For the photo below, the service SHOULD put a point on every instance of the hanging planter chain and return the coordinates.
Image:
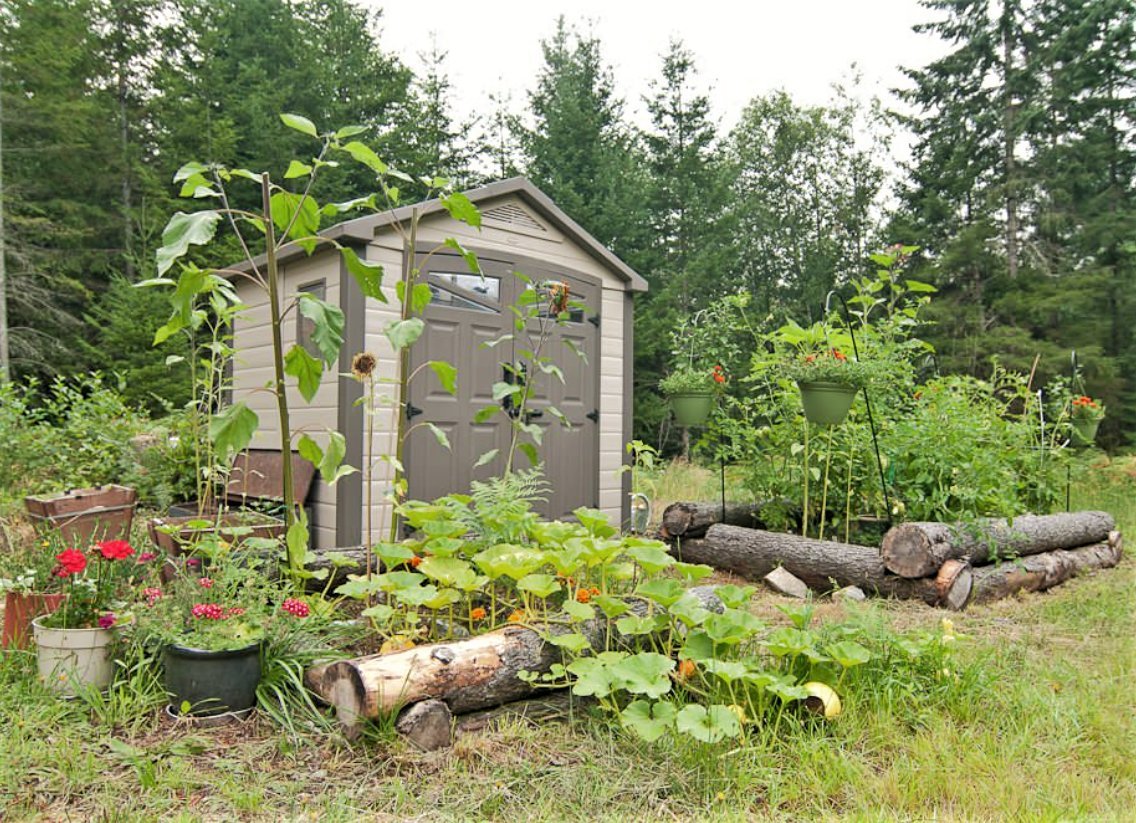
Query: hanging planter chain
(867, 398)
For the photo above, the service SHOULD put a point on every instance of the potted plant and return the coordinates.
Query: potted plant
(828, 381)
(29, 589)
(691, 392)
(1085, 417)
(73, 643)
(211, 621)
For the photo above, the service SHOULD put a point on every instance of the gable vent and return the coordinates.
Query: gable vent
(514, 215)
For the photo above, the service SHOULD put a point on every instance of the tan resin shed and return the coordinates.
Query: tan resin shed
(522, 231)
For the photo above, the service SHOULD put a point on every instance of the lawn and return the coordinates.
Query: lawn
(1039, 727)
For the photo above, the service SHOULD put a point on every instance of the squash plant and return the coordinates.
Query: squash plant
(285, 217)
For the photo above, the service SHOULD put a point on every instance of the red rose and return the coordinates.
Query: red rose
(115, 549)
(71, 561)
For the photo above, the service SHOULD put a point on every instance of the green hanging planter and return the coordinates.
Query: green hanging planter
(826, 404)
(692, 408)
(1085, 431)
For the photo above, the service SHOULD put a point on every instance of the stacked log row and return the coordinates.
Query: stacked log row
(941, 564)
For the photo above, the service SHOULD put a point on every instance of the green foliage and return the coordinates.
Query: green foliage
(71, 433)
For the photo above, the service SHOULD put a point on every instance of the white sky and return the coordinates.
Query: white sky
(742, 49)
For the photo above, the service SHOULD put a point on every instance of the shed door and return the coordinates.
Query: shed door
(466, 313)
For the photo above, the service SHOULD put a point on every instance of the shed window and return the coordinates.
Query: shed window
(305, 328)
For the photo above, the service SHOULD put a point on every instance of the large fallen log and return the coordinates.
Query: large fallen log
(1039, 572)
(477, 673)
(693, 519)
(918, 549)
(822, 564)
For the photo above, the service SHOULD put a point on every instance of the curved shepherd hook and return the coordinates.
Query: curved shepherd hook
(867, 398)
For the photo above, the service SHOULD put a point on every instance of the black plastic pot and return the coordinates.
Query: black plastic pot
(212, 682)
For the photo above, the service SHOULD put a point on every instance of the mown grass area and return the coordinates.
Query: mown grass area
(1038, 726)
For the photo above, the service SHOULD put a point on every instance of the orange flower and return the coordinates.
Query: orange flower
(594, 591)
(839, 355)
(686, 669)
(583, 595)
(414, 561)
(517, 616)
(477, 614)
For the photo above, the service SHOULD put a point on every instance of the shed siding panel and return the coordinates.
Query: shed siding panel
(611, 401)
(254, 369)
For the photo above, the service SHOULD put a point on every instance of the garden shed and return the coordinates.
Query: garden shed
(522, 231)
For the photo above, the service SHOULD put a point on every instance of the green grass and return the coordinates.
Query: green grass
(1039, 728)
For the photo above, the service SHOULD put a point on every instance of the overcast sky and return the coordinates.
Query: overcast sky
(742, 49)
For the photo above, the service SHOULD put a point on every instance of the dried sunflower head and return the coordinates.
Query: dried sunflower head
(363, 365)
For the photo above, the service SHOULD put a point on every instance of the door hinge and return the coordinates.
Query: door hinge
(412, 411)
(593, 415)
(594, 320)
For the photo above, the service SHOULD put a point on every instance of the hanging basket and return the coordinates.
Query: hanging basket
(1085, 431)
(826, 404)
(692, 408)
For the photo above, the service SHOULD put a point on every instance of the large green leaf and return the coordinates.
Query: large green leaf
(369, 276)
(461, 208)
(300, 124)
(231, 430)
(307, 370)
(403, 333)
(299, 215)
(363, 154)
(542, 585)
(708, 725)
(297, 169)
(652, 559)
(328, 322)
(331, 467)
(650, 721)
(849, 653)
(469, 257)
(449, 571)
(593, 677)
(646, 673)
(447, 375)
(185, 230)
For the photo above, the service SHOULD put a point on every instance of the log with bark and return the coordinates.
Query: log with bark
(477, 673)
(822, 564)
(918, 549)
(1039, 572)
(693, 519)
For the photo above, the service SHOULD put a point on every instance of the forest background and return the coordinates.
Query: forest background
(1019, 191)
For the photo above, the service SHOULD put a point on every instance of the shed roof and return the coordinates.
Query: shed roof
(364, 229)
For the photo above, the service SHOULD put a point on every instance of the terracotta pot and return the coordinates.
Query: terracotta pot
(20, 608)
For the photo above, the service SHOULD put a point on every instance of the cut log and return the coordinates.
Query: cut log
(556, 705)
(918, 549)
(478, 673)
(823, 565)
(693, 519)
(429, 725)
(351, 560)
(1039, 572)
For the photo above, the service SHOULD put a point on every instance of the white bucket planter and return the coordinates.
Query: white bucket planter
(72, 658)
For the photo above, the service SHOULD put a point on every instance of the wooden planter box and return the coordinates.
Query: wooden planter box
(175, 535)
(84, 516)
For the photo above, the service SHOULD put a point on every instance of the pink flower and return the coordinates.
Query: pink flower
(146, 557)
(115, 549)
(209, 611)
(107, 620)
(205, 582)
(153, 594)
(193, 562)
(296, 608)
